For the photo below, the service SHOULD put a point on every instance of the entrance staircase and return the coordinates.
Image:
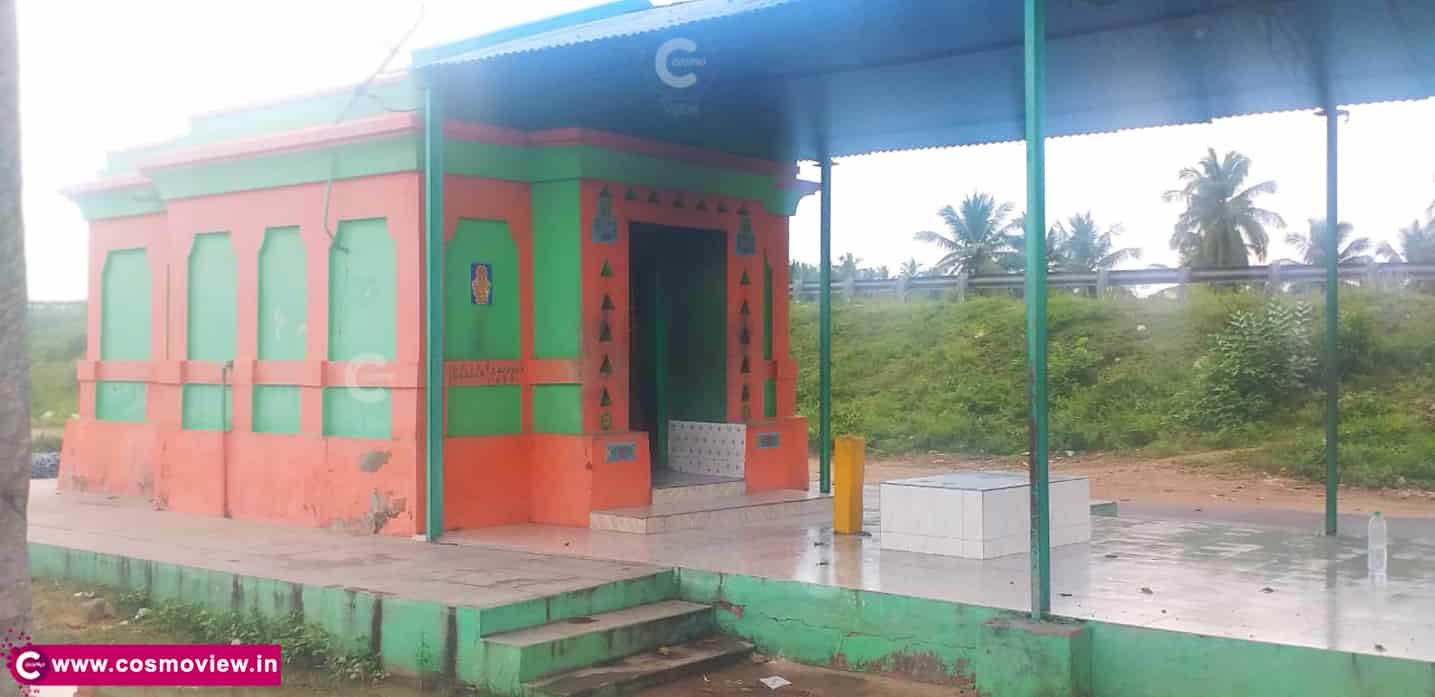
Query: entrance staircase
(683, 501)
(643, 638)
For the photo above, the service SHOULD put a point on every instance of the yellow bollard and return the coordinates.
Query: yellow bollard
(848, 463)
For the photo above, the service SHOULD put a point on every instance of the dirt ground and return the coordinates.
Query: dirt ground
(742, 680)
(1184, 481)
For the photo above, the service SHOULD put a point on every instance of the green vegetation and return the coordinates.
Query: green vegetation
(57, 340)
(1224, 369)
(306, 646)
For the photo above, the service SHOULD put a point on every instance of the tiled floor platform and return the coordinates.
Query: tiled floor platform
(1241, 580)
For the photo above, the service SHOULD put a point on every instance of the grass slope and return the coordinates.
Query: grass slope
(1125, 374)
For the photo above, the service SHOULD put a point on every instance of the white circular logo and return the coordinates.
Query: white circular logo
(366, 395)
(27, 664)
(665, 62)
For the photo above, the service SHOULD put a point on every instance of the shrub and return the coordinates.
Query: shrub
(1254, 366)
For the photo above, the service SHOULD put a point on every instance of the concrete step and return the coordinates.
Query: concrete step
(677, 493)
(727, 511)
(513, 658)
(644, 670)
(601, 598)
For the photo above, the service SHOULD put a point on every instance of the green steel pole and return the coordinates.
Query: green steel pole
(1035, 31)
(433, 316)
(824, 352)
(1332, 326)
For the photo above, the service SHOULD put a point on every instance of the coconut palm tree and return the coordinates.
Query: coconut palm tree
(1311, 244)
(14, 348)
(909, 269)
(978, 239)
(1417, 244)
(1055, 248)
(1082, 245)
(1221, 226)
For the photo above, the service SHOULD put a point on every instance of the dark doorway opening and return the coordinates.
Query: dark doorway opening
(678, 361)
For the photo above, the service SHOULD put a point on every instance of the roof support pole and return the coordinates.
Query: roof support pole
(1035, 59)
(433, 315)
(1331, 243)
(824, 347)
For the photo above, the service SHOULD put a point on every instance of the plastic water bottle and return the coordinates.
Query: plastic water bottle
(1376, 545)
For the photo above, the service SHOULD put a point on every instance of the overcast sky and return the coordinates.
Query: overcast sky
(99, 75)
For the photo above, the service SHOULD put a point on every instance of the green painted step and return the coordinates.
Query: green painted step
(644, 670)
(514, 658)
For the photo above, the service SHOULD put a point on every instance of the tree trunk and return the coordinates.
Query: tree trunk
(14, 346)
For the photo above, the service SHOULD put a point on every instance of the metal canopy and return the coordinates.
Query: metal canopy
(797, 79)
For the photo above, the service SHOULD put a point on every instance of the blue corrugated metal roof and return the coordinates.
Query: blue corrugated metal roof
(792, 79)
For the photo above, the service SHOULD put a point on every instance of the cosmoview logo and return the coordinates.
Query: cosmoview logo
(30, 665)
(675, 61)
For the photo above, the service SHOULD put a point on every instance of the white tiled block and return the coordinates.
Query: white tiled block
(922, 544)
(971, 502)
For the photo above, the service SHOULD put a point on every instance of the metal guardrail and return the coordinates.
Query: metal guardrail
(1273, 277)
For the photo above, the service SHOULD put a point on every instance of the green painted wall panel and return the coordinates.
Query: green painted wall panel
(120, 401)
(283, 295)
(769, 398)
(1140, 662)
(346, 614)
(474, 331)
(275, 117)
(488, 410)
(276, 409)
(125, 301)
(120, 203)
(312, 110)
(358, 412)
(361, 159)
(203, 409)
(557, 409)
(414, 635)
(213, 301)
(557, 270)
(363, 292)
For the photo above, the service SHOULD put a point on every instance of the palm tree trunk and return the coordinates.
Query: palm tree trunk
(14, 339)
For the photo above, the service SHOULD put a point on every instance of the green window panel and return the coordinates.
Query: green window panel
(358, 412)
(472, 330)
(363, 292)
(213, 301)
(205, 408)
(769, 398)
(557, 270)
(125, 306)
(276, 409)
(283, 295)
(120, 401)
(557, 409)
(488, 410)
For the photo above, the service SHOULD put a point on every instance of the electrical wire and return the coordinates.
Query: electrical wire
(361, 91)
